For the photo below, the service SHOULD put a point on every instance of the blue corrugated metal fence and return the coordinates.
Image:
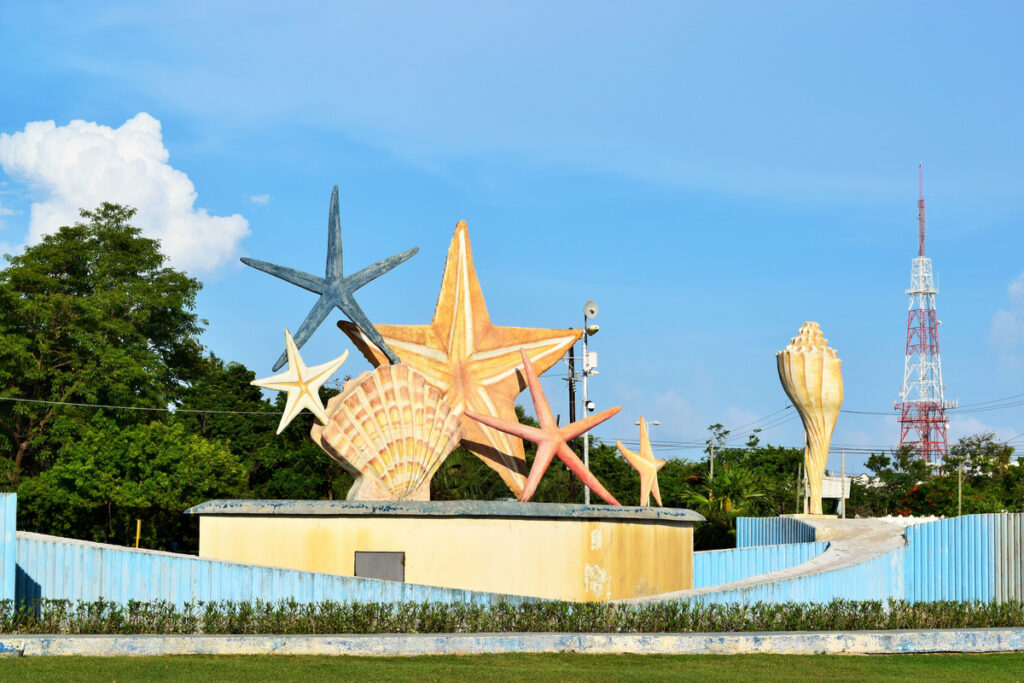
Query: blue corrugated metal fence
(877, 579)
(977, 557)
(54, 567)
(8, 547)
(713, 567)
(771, 531)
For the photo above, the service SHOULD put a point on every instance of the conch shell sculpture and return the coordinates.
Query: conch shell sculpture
(392, 431)
(811, 376)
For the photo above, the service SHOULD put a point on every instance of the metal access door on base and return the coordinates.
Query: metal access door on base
(388, 566)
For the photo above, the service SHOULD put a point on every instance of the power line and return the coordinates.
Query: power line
(145, 408)
(777, 421)
(785, 407)
(995, 400)
(694, 445)
(970, 408)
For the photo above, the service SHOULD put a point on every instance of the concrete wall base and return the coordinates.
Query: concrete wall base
(840, 642)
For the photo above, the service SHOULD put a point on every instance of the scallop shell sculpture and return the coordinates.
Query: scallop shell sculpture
(810, 374)
(392, 431)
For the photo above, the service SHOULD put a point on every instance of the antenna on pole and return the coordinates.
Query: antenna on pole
(920, 209)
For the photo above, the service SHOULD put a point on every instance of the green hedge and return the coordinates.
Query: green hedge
(65, 617)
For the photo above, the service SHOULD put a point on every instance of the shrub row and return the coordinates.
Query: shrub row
(290, 617)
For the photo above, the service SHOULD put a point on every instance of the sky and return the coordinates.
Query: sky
(712, 174)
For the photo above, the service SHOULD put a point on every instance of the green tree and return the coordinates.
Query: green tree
(114, 475)
(734, 492)
(980, 455)
(463, 476)
(281, 466)
(938, 496)
(715, 443)
(898, 475)
(291, 466)
(90, 314)
(237, 411)
(615, 474)
(677, 479)
(775, 467)
(909, 486)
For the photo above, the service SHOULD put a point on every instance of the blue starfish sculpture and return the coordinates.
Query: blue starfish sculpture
(334, 288)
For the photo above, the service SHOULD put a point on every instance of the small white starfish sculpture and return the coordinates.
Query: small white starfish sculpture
(302, 384)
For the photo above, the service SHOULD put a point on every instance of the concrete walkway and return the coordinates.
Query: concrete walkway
(848, 642)
(851, 541)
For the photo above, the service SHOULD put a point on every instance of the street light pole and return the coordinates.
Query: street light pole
(586, 399)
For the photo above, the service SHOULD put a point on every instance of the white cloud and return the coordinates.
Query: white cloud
(4, 211)
(1007, 329)
(1017, 290)
(1006, 334)
(263, 199)
(83, 164)
(968, 425)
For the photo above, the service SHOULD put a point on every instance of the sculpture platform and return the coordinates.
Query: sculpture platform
(553, 551)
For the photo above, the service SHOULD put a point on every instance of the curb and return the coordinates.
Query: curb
(838, 642)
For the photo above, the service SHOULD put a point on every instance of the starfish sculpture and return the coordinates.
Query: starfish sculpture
(474, 363)
(550, 438)
(334, 288)
(645, 464)
(302, 383)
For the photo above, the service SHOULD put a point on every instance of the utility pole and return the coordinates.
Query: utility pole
(799, 480)
(960, 489)
(807, 491)
(572, 384)
(572, 412)
(712, 475)
(842, 482)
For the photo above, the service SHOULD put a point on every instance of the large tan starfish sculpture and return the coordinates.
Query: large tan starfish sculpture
(474, 363)
(551, 439)
(302, 383)
(645, 464)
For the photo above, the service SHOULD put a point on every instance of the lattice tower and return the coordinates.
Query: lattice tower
(922, 404)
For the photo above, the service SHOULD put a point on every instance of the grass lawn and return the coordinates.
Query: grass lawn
(525, 667)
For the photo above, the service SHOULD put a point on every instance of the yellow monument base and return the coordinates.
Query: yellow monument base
(558, 552)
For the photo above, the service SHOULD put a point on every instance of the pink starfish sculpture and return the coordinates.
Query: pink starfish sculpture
(550, 438)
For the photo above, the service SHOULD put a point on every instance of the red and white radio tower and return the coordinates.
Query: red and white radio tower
(922, 407)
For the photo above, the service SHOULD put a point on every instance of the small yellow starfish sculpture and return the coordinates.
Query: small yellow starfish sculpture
(302, 384)
(646, 464)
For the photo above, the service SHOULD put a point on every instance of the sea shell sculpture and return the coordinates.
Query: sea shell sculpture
(392, 431)
(810, 374)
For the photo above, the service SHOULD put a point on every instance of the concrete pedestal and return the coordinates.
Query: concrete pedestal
(561, 552)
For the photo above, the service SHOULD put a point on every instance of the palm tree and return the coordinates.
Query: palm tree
(733, 493)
